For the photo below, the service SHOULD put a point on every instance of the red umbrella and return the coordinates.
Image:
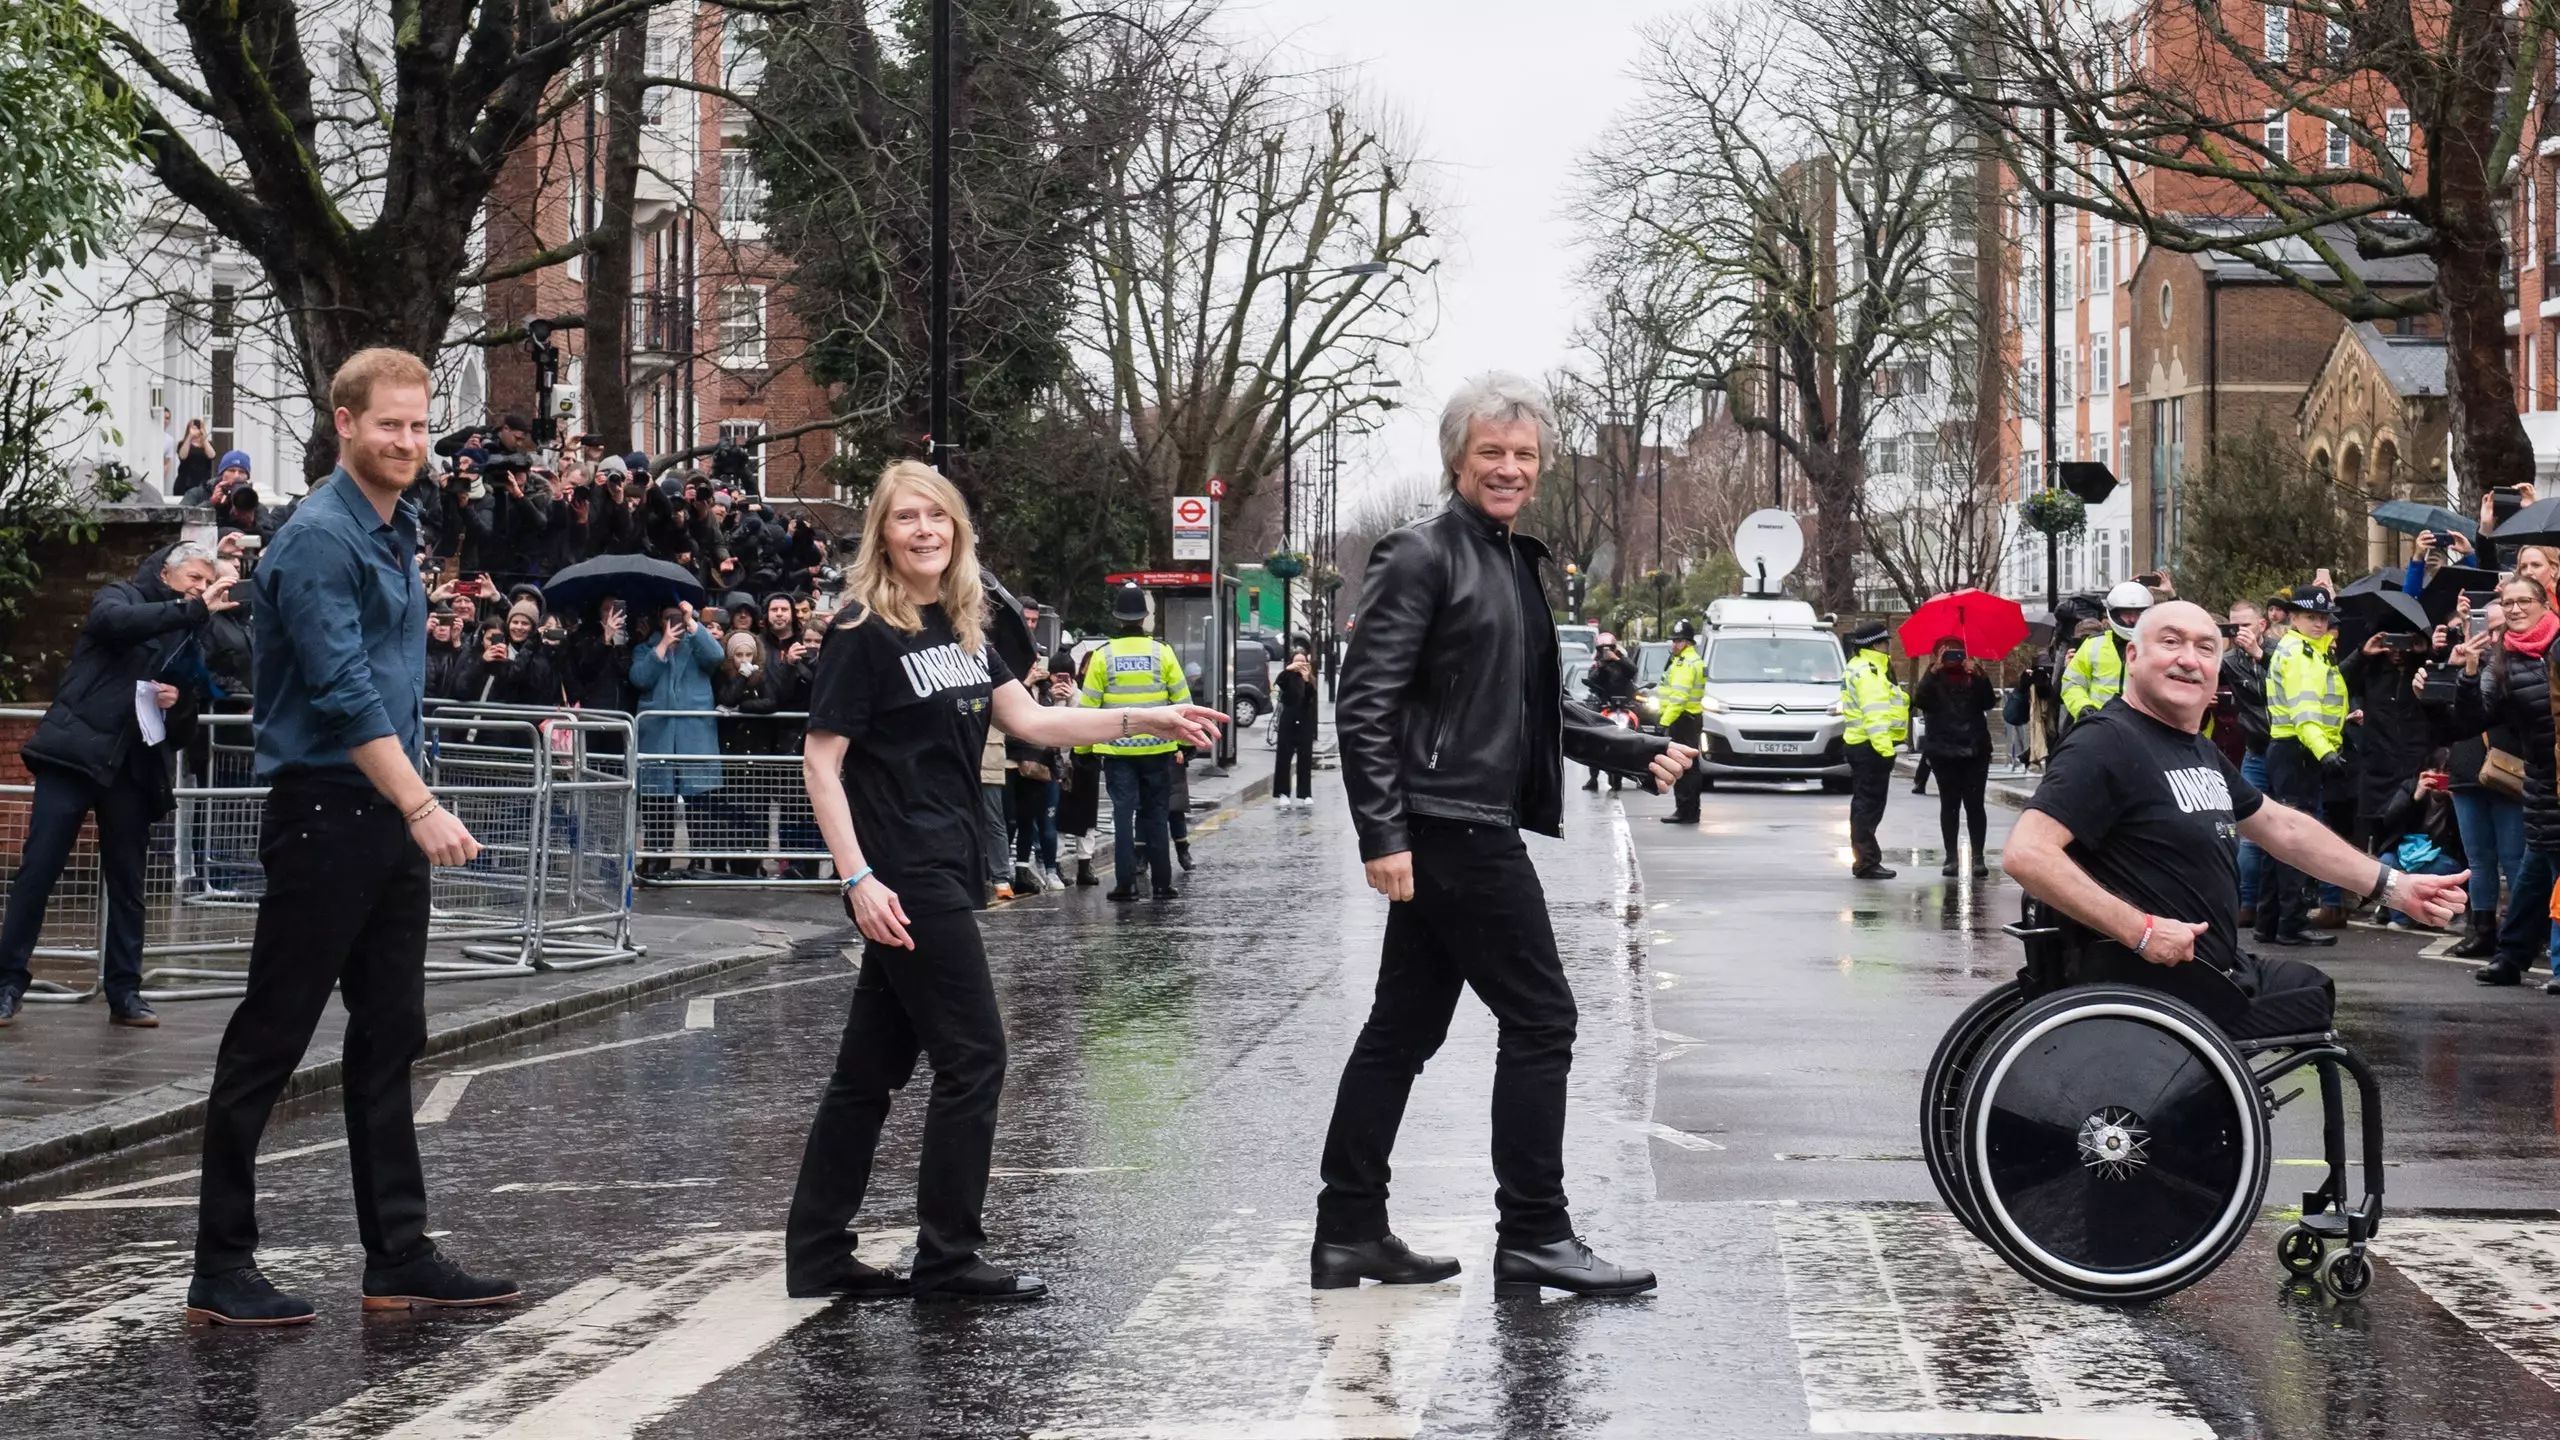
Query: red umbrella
(1989, 625)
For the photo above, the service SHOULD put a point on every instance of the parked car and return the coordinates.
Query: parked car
(1253, 682)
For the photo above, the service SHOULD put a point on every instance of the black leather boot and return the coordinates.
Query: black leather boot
(2479, 940)
(1567, 1265)
(1387, 1260)
(1085, 875)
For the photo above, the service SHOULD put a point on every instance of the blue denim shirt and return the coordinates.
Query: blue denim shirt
(340, 634)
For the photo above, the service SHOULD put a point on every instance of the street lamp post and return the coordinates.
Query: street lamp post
(1289, 398)
(938, 303)
(1658, 576)
(2044, 328)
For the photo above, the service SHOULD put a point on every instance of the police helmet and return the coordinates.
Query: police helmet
(1869, 636)
(1683, 630)
(2125, 605)
(1129, 603)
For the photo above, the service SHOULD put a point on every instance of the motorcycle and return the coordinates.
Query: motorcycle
(1619, 712)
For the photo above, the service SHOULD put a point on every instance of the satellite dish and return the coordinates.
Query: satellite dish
(1769, 545)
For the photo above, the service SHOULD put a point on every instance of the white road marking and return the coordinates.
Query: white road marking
(174, 1176)
(575, 1187)
(102, 1307)
(602, 1358)
(442, 1099)
(1682, 1138)
(1904, 1325)
(698, 1012)
(1003, 1171)
(127, 1202)
(1233, 1346)
(2499, 1277)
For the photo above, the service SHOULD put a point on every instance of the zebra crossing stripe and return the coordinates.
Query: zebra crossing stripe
(1904, 1325)
(602, 1358)
(2500, 1278)
(1234, 1345)
(101, 1308)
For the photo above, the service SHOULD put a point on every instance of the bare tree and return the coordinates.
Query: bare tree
(1232, 186)
(2308, 138)
(1796, 197)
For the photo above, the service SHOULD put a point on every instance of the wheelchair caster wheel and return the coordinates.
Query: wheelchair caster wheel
(2299, 1251)
(2345, 1274)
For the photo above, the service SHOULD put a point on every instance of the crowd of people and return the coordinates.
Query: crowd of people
(2430, 748)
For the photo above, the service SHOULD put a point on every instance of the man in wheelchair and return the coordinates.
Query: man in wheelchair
(2102, 1121)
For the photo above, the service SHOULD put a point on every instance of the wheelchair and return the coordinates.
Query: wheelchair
(2110, 1139)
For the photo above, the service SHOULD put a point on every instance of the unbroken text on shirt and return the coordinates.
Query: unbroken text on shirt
(944, 667)
(2199, 790)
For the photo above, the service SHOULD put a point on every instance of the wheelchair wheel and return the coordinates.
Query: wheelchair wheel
(1942, 1097)
(2113, 1143)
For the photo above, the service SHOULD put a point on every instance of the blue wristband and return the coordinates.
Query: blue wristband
(857, 877)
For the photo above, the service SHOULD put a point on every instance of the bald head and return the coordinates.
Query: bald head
(2172, 667)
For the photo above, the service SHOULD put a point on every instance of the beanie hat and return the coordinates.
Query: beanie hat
(527, 607)
(233, 460)
(613, 465)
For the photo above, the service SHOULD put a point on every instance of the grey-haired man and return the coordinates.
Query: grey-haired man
(1453, 738)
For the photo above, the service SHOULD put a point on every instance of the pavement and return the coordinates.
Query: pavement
(1741, 1118)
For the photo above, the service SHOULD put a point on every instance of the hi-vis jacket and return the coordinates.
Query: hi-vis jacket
(1682, 686)
(1130, 670)
(2094, 676)
(2306, 697)
(1878, 713)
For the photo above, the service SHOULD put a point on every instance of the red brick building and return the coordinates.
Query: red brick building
(715, 347)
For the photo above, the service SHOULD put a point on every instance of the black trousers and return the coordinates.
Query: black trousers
(125, 812)
(1684, 793)
(346, 905)
(1296, 741)
(936, 1000)
(1477, 919)
(2284, 894)
(1961, 782)
(1870, 780)
(1142, 807)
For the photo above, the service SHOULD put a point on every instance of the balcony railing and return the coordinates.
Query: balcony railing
(657, 324)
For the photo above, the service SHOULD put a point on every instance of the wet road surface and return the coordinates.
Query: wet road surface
(1753, 1026)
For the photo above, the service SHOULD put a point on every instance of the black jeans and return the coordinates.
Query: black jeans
(937, 999)
(1141, 789)
(346, 905)
(1478, 918)
(1870, 780)
(1296, 741)
(1961, 781)
(1684, 793)
(2284, 894)
(125, 813)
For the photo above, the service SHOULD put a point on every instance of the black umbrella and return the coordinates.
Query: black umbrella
(2376, 612)
(2410, 517)
(2445, 589)
(2535, 524)
(2380, 582)
(639, 582)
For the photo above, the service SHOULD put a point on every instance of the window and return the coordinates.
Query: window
(2279, 34)
(742, 53)
(2164, 304)
(2395, 135)
(2276, 135)
(2101, 374)
(2124, 362)
(658, 57)
(2124, 553)
(2102, 263)
(2341, 154)
(742, 325)
(2065, 268)
(2030, 387)
(747, 432)
(2168, 462)
(2339, 40)
(742, 193)
(221, 425)
(2064, 372)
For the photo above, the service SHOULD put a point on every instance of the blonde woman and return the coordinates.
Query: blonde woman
(905, 687)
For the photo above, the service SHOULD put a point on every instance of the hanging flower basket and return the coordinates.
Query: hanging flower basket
(1284, 564)
(1327, 580)
(2058, 513)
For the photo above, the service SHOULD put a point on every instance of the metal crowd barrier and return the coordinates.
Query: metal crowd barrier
(730, 819)
(546, 793)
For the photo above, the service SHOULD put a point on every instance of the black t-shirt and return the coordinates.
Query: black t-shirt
(2154, 815)
(915, 709)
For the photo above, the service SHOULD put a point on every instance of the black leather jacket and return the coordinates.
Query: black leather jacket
(1450, 700)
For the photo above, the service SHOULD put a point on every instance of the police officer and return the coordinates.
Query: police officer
(1134, 669)
(2096, 672)
(2306, 723)
(1878, 716)
(1683, 685)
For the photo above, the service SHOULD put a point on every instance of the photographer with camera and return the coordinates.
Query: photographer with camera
(2382, 689)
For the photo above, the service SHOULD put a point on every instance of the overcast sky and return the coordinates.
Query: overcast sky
(1502, 96)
